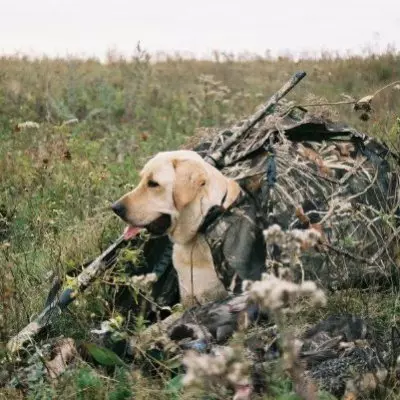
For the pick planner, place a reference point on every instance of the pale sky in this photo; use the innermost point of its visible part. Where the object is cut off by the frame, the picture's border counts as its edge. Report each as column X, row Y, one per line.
column 91, row 27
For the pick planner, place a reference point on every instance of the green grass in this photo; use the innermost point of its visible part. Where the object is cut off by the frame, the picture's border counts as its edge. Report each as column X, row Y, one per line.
column 56, row 182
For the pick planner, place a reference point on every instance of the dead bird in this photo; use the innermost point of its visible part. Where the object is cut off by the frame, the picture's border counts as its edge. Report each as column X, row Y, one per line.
column 216, row 321
column 343, row 349
column 338, row 352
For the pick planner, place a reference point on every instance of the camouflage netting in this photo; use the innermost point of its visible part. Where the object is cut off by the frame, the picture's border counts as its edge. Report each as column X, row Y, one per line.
column 309, row 172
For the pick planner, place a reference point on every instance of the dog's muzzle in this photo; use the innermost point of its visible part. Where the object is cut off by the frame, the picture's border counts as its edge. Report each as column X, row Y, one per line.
column 157, row 227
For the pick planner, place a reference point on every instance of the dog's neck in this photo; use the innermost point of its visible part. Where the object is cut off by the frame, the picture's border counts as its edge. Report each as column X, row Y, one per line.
column 220, row 191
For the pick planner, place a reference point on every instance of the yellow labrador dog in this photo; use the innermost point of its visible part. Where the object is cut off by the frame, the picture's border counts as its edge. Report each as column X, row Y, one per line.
column 176, row 190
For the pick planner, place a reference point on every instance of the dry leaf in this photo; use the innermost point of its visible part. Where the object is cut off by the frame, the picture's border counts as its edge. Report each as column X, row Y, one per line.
column 65, row 352
column 301, row 216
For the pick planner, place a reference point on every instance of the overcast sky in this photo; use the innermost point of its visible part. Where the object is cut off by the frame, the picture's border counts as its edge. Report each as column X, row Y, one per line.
column 91, row 27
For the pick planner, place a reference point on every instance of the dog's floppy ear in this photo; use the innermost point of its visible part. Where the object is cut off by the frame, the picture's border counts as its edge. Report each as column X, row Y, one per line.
column 189, row 178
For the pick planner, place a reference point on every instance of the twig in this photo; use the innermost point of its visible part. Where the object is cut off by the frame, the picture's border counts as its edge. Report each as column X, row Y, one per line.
column 385, row 87
column 384, row 248
column 336, row 103
column 344, row 102
column 346, row 253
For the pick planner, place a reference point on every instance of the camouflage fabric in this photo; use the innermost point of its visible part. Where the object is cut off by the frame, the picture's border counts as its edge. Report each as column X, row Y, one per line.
column 236, row 241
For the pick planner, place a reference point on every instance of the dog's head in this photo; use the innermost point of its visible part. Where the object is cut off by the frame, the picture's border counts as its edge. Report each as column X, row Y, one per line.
column 175, row 191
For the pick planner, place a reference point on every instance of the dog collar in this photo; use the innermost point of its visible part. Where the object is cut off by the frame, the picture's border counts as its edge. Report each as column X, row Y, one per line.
column 216, row 211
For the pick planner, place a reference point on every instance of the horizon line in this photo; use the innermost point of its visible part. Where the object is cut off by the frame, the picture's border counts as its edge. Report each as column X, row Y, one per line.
column 112, row 54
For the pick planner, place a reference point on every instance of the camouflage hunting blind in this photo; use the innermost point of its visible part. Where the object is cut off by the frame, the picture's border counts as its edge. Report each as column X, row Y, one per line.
column 306, row 172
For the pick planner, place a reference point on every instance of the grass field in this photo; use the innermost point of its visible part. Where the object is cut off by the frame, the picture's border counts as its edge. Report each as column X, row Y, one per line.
column 57, row 180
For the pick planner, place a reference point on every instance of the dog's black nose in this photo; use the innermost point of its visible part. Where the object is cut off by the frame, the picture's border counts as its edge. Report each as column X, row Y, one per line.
column 119, row 209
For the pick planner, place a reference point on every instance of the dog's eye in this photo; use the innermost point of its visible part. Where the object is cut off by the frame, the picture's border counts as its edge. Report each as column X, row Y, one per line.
column 152, row 183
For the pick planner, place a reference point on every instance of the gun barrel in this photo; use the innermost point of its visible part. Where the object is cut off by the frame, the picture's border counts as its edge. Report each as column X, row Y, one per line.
column 90, row 273
column 216, row 157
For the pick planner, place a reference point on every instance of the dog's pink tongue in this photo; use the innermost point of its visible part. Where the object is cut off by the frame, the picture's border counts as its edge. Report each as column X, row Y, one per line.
column 131, row 231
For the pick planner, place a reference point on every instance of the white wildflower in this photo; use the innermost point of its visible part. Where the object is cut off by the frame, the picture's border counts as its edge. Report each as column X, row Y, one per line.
column 110, row 325
column 223, row 368
column 28, row 125
column 143, row 281
column 292, row 242
column 275, row 294
column 246, row 284
column 236, row 374
column 105, row 328
column 71, row 121
column 309, row 287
